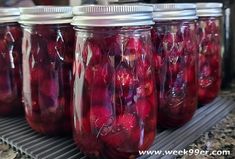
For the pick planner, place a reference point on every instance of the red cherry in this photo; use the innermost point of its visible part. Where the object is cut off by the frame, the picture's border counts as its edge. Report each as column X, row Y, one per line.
column 189, row 60
column 37, row 74
column 100, row 74
column 82, row 125
column 113, row 45
column 143, row 108
column 114, row 139
column 92, row 52
column 202, row 60
column 157, row 61
column 190, row 105
column 186, row 32
column 144, row 69
column 133, row 46
column 49, row 87
column 168, row 42
column 174, row 56
column 88, row 143
column 174, row 108
column 179, row 38
column 205, row 81
column 52, row 50
column 133, row 49
column 124, row 82
column 215, row 38
column 124, row 77
column 190, row 47
column 216, row 61
column 211, row 27
column 152, row 123
column 174, row 69
column 202, row 93
column 100, row 116
column 203, row 44
column 36, row 107
column 136, row 137
column 38, row 49
column 145, row 89
column 127, row 122
column 50, row 107
column 206, row 71
column 99, row 95
column 46, row 32
column 212, row 49
column 190, row 75
column 55, row 50
column 3, row 46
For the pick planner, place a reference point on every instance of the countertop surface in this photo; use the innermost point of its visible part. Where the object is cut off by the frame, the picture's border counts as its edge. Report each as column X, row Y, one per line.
column 219, row 137
column 8, row 153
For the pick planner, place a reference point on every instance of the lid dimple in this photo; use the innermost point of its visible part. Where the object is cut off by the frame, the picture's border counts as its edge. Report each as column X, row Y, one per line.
column 112, row 15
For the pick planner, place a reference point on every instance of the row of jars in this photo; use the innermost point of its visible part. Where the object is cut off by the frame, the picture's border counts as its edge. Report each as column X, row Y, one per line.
column 110, row 72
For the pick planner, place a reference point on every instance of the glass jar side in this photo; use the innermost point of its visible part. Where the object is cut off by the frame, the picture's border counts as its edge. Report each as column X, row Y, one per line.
column 114, row 101
column 210, row 58
column 48, row 54
column 175, row 56
column 10, row 69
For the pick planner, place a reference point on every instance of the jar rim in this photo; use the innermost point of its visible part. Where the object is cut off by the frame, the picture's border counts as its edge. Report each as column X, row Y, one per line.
column 46, row 15
column 8, row 14
column 174, row 11
column 112, row 15
column 209, row 9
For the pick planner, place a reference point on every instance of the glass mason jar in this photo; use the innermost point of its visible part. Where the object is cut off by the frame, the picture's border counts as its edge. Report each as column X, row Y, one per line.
column 175, row 55
column 114, row 97
column 210, row 50
column 10, row 63
column 48, row 51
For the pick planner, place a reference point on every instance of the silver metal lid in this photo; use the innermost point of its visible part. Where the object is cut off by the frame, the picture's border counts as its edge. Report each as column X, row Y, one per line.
column 174, row 11
column 209, row 9
column 46, row 15
column 112, row 15
column 9, row 15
